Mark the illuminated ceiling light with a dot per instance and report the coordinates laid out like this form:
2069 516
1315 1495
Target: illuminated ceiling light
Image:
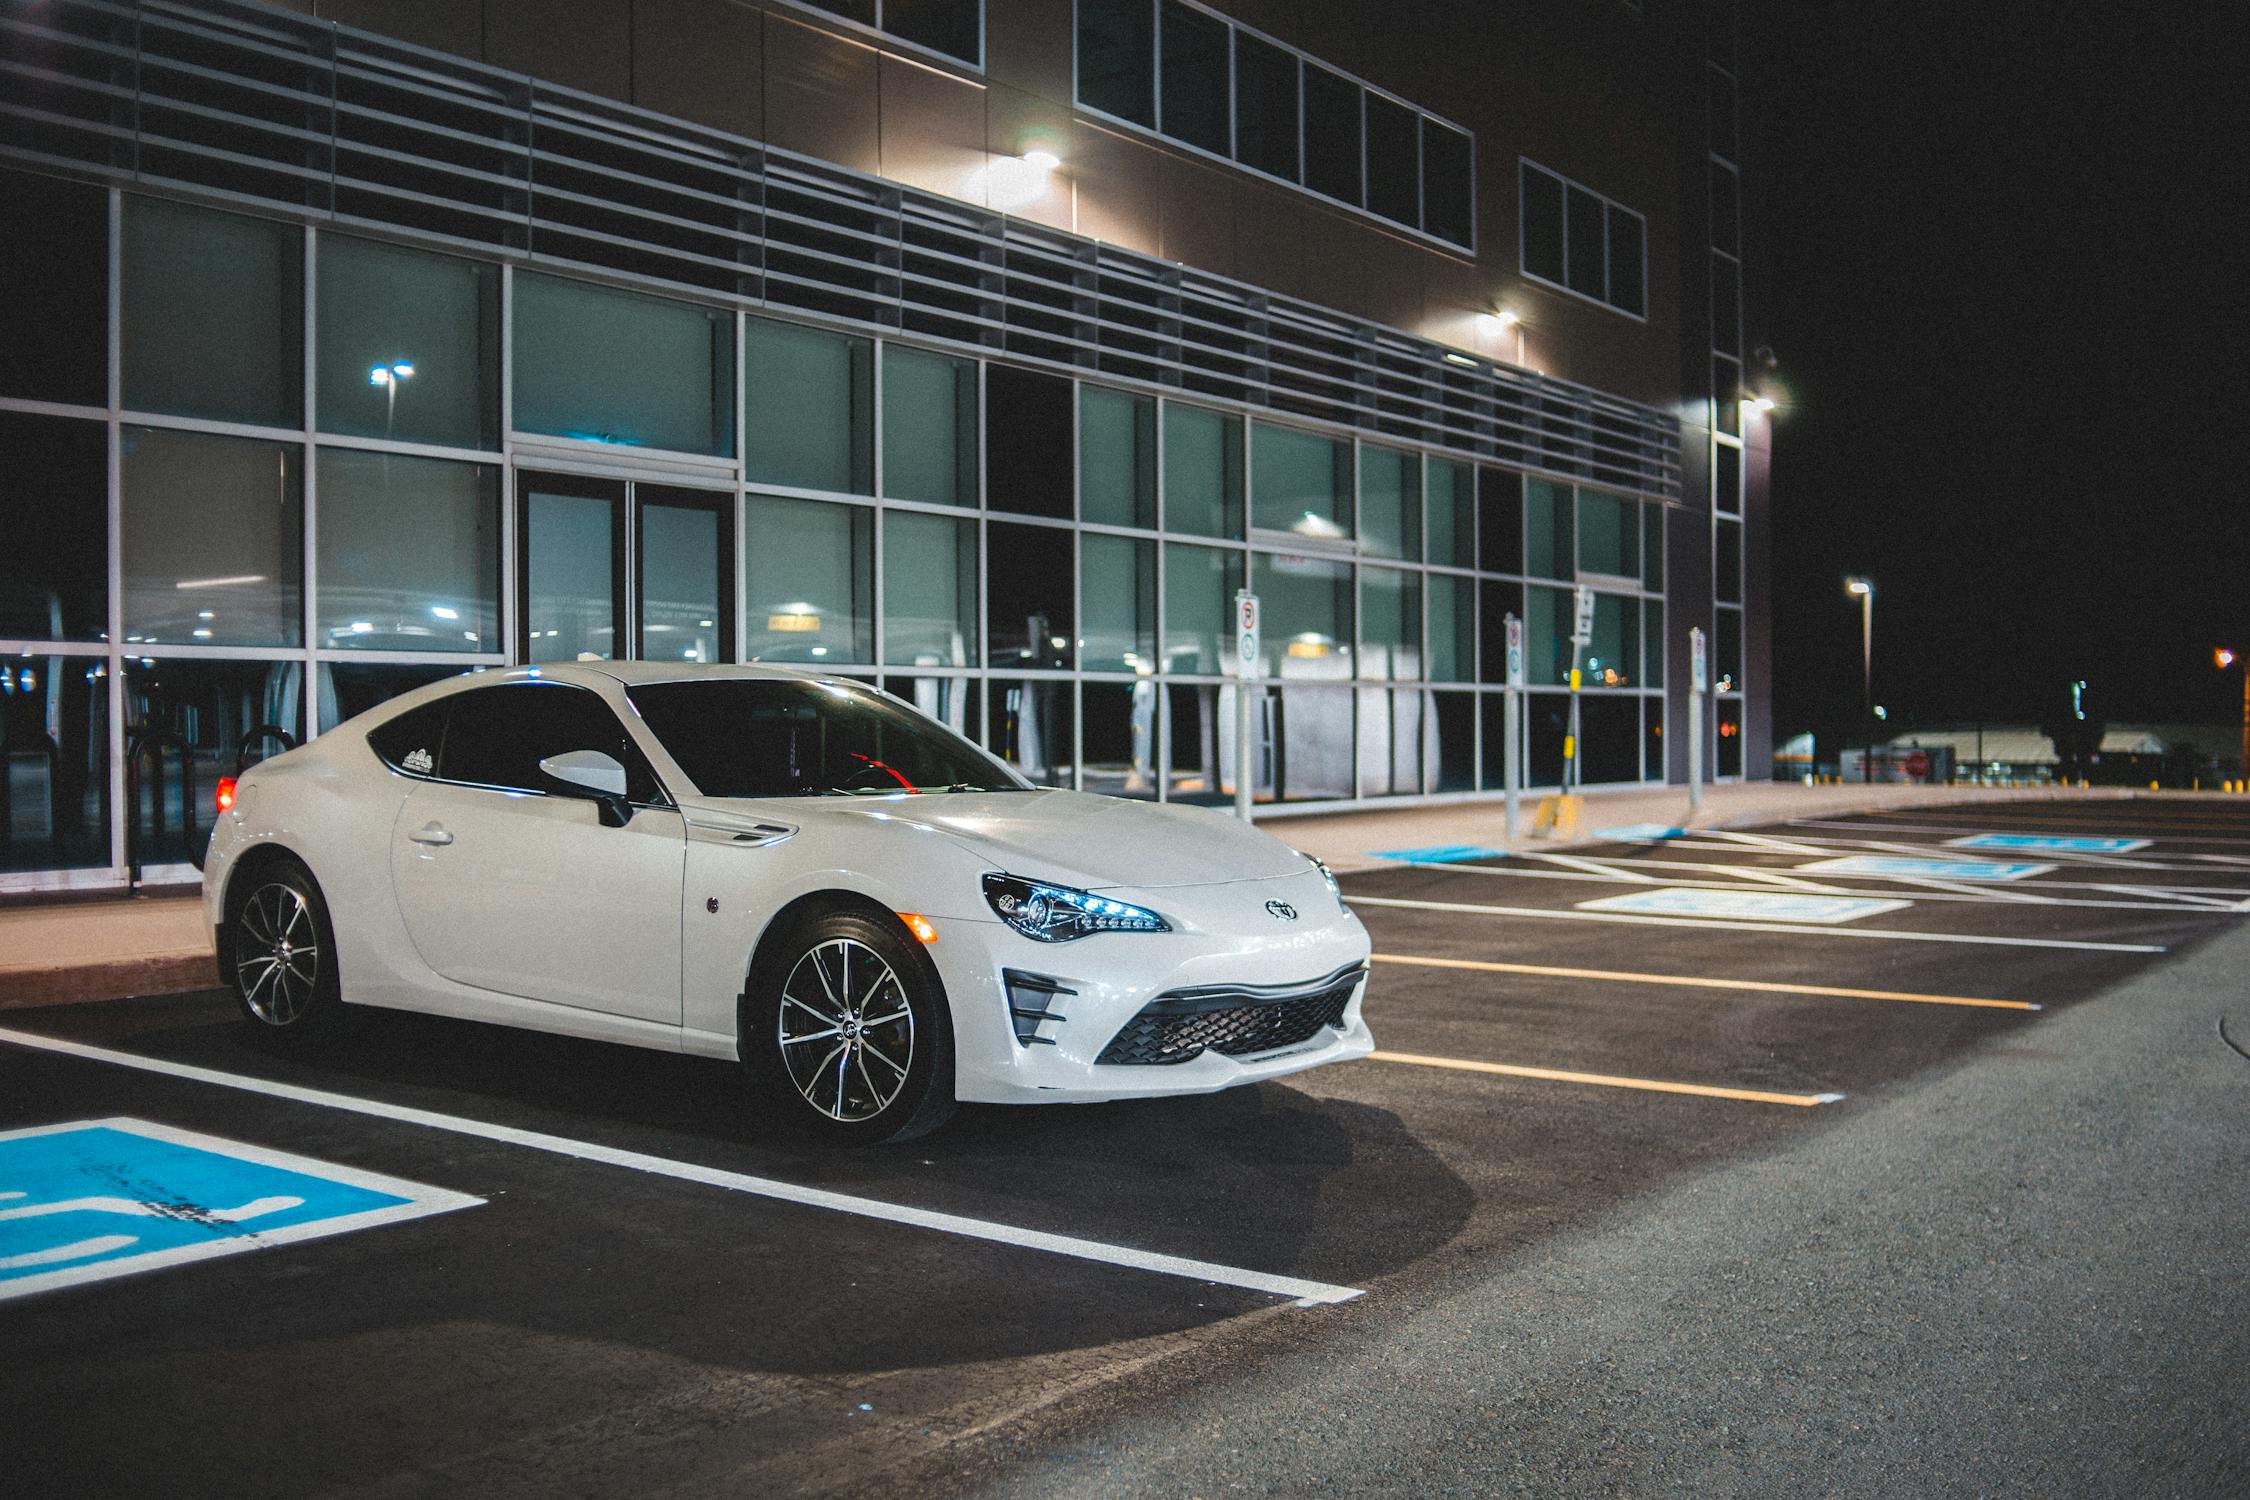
363 627
234 581
205 614
201 635
1315 525
1310 645
798 618
1460 359
445 612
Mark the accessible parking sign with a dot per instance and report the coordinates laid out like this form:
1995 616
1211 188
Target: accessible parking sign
93 1199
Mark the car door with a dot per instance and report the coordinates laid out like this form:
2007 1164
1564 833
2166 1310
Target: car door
507 885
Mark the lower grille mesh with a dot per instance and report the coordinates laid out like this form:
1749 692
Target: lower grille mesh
1180 1027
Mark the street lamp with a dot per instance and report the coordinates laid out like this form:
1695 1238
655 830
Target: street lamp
2225 658
1864 588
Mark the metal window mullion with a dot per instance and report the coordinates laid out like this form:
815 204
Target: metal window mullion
510 584
308 484
738 587
114 560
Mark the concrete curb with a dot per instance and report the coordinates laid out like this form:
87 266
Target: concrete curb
116 979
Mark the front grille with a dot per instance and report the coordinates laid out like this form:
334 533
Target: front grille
1236 1020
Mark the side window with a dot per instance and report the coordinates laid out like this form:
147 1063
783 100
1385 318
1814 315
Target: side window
411 742
499 734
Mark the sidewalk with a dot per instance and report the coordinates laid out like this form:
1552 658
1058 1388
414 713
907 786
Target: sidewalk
156 944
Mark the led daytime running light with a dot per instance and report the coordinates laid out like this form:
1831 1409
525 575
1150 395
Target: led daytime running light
1059 913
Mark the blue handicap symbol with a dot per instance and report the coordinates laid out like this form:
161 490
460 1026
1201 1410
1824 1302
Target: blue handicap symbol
1442 854
2050 843
97 1198
1640 832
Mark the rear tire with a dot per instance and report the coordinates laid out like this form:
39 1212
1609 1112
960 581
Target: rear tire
281 953
845 1026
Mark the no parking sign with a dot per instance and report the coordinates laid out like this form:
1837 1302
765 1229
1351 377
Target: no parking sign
1246 631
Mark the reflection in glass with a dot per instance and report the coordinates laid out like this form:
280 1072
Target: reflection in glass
1312 738
1609 534
929 426
1201 742
1301 482
1116 458
54 513
572 547
54 763
1452 742
1500 601
408 553
1030 621
1548 529
930 590
811 586
685 555
1652 643
1453 626
214 543
1499 521
1117 590
1390 742
1306 629
1609 727
1031 728
55 346
1202 472
1199 585
1391 623
1027 418
213 322
811 408
1452 514
190 722
1120 727
1729 758
955 702
428 325
1390 503
1613 657
346 689
617 367
1549 616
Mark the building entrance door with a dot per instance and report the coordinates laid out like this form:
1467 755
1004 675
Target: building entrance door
622 568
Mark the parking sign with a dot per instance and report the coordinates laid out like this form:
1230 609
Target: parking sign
1584 634
1515 652
1699 670
1246 631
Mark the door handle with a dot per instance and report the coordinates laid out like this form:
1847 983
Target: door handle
430 833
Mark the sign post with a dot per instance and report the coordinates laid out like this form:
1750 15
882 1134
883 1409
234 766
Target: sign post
1246 651
1574 775
1699 677
1511 723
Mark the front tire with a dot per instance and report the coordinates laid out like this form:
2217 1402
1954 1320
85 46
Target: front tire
846 1025
281 953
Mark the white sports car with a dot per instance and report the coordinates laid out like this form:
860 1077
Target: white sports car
876 916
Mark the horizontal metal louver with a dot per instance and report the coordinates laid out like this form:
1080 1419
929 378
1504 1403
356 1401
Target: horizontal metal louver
238 102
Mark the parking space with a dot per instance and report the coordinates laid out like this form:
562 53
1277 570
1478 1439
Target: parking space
642 1285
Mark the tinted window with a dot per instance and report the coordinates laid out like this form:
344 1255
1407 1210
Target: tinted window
498 735
1027 446
1542 224
54 346
1393 161
1624 259
747 738
1585 246
1195 78
54 511
1117 58
1331 134
1445 183
413 741
1265 106
947 26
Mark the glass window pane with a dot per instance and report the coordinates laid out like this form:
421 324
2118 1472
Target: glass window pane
1117 58
1306 617
1390 602
1117 591
810 593
1300 482
1726 562
1027 444
952 27
1452 514
1609 534
1453 742
1549 616
1652 548
1726 306
1587 245
214 542
54 763
1652 643
930 590
213 323
1726 478
1390 503
346 690
191 720
1548 529
619 367
1195 77
1265 106
1726 398
1394 161
1032 729
408 552
1499 521
1542 224
1030 622
686 547
1453 625
1332 164
1200 740
54 346
929 427
1726 223
1613 657
1729 758
573 547
1120 750
1199 585
1546 724
54 512
1625 260
1310 743
1116 458
1726 660
1447 197
1652 740
810 421
497 735
955 702
1500 600
1202 472
409 345
1609 732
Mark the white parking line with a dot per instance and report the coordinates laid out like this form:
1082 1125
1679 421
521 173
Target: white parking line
1304 1293
1724 924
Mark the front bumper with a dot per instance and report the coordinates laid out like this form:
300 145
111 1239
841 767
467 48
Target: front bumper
1226 951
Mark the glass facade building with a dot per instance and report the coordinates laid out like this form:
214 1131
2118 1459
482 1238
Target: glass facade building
262 467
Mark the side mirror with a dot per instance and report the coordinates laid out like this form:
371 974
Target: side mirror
594 776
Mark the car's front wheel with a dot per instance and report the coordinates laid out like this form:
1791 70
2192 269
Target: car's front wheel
847 1025
281 952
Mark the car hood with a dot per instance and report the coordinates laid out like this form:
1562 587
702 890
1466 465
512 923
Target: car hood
1073 837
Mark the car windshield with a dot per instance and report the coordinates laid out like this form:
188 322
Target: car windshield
751 737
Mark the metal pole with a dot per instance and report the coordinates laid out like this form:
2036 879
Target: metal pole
2246 721
1694 749
1574 775
1242 744
1867 678
1511 759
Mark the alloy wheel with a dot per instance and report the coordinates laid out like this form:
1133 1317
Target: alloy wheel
277 954
846 1030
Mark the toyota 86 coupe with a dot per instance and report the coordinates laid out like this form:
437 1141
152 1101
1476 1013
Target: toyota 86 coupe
874 915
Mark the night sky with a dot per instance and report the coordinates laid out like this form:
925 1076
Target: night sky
2002 252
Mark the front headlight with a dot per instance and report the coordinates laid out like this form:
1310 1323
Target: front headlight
1057 913
1330 876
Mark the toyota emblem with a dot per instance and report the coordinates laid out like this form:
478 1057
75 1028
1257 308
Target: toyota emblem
1282 910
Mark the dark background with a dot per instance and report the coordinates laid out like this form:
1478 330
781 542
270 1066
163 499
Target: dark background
2003 270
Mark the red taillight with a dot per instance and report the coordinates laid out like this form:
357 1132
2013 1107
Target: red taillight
226 794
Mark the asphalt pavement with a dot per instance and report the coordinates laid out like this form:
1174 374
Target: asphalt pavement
1914 1183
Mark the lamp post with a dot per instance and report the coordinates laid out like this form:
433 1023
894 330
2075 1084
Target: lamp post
1865 590
2225 658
